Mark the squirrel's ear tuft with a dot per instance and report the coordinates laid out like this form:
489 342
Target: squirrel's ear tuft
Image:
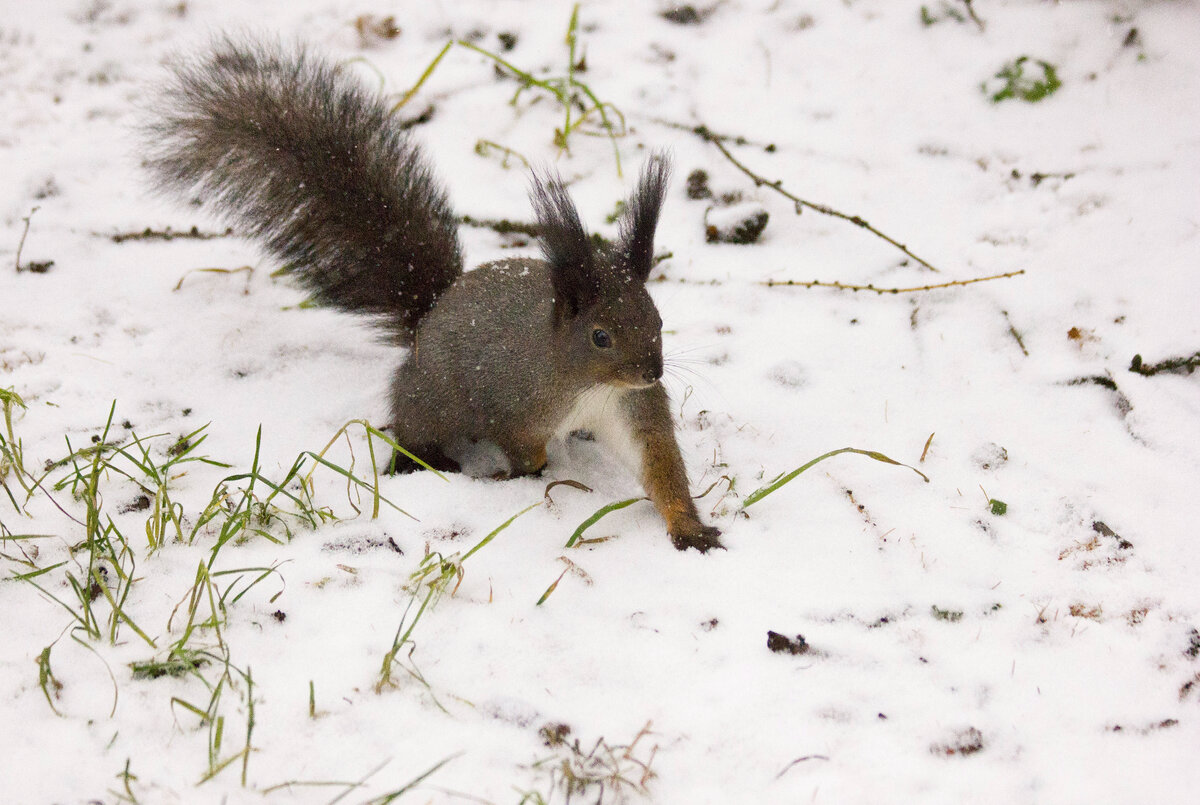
566 246
641 216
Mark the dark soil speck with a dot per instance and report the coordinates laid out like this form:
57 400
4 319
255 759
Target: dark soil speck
782 644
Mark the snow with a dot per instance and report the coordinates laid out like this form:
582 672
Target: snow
1072 670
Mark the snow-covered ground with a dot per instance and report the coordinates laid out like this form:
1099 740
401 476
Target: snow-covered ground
959 650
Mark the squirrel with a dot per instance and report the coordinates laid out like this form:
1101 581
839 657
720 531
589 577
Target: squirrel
292 149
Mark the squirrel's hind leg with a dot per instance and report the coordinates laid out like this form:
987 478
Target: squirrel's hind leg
525 456
416 423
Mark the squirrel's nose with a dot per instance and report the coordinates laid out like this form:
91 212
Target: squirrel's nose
654 371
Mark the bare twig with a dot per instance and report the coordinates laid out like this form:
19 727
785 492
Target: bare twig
798 761
21 244
502 226
168 234
1012 330
842 286
1180 365
708 136
736 139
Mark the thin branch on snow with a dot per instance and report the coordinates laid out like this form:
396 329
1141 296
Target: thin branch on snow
709 136
843 286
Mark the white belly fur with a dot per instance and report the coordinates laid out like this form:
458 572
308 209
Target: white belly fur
603 412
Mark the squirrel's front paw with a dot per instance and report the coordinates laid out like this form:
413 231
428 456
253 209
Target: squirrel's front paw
696 535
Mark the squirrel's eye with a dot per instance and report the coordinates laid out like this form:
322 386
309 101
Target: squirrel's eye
601 338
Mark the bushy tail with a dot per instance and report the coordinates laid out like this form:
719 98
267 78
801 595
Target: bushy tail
297 153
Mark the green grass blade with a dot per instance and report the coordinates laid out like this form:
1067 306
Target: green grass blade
591 521
374 490
406 97
762 492
390 797
498 529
